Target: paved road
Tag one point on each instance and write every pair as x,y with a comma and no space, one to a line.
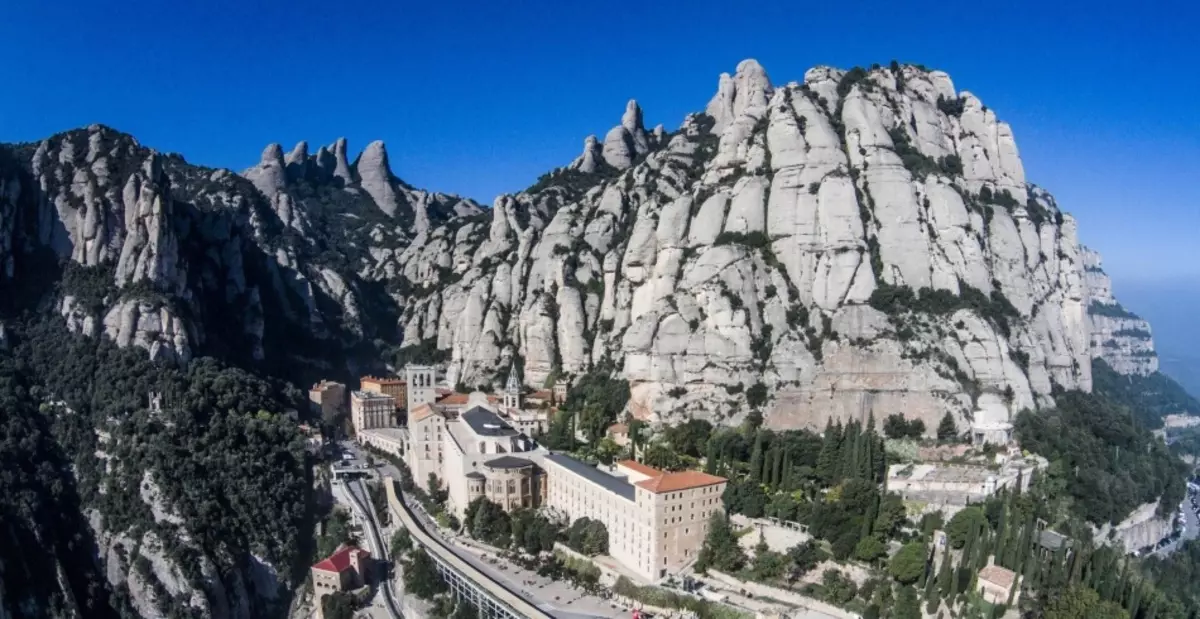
362,503
571,603
1191,526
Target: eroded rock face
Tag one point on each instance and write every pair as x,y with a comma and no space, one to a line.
1118,336
859,243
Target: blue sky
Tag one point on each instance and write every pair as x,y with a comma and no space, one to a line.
481,98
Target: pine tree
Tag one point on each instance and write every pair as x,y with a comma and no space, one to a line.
947,430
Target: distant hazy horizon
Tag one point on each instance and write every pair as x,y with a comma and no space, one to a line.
1173,308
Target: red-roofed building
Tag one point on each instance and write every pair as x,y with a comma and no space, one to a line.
657,520
341,571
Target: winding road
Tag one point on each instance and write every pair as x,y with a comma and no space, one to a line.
362,503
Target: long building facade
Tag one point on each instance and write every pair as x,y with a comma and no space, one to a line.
656,521
370,410
471,446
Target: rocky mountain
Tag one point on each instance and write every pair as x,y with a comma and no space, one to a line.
1119,336
859,242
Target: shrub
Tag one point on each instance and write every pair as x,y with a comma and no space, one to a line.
756,395
950,107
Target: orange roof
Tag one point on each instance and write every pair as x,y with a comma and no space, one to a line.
454,399
999,576
641,468
420,412
619,428
339,561
685,480
541,394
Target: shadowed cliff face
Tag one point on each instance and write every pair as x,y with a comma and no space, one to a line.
855,243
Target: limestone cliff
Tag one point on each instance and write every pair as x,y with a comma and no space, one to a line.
859,242
1119,336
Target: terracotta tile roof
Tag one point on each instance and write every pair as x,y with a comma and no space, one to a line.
640,468
685,480
618,428
339,561
454,399
420,412
541,394
999,576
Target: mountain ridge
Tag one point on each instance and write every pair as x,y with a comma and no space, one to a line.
858,244
836,191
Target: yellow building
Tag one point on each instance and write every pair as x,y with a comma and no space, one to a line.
656,521
392,386
369,410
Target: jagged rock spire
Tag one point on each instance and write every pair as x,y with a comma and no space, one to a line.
341,166
590,158
627,140
749,87
269,175
376,177
297,161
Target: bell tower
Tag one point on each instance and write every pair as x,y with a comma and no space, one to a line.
512,390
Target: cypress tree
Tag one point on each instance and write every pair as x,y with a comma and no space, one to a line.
931,594
827,459
710,459
777,470
787,484
1134,602
847,449
945,575
756,458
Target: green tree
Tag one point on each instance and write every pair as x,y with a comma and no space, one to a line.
690,437
892,515
907,604
338,605
465,610
869,549
963,525
401,543
907,565
1083,603
828,462
594,421
487,522
756,457
804,557
837,588
421,577
947,430
720,550
768,565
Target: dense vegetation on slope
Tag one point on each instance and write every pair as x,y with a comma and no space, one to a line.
42,528
1150,398
80,433
1101,457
